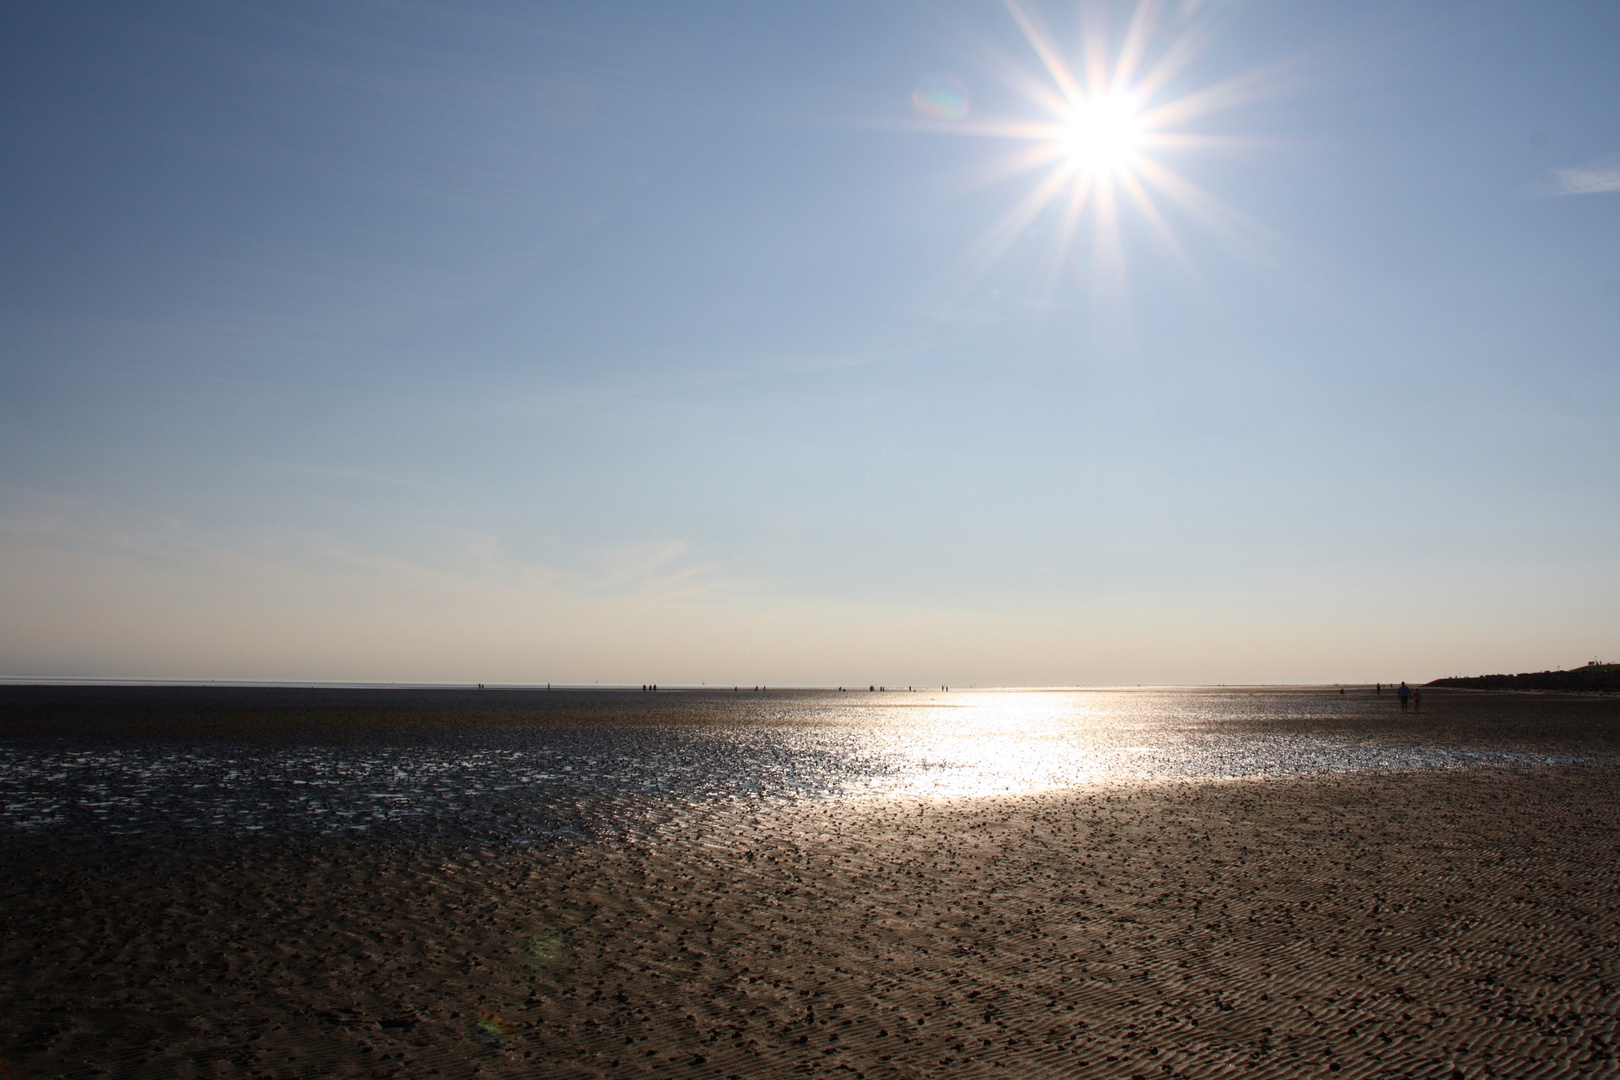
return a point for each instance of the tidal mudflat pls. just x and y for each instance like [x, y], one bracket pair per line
[1106, 883]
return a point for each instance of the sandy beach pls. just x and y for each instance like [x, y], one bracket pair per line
[1028, 539]
[1427, 924]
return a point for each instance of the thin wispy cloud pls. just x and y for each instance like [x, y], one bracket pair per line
[1601, 174]
[354, 474]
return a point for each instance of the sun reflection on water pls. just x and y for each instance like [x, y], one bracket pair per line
[539, 785]
[1003, 743]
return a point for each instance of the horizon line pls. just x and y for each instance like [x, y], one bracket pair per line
[317, 684]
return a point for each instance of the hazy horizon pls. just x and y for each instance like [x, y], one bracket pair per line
[1009, 345]
[896, 688]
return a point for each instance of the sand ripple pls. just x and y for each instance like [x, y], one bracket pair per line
[1358, 925]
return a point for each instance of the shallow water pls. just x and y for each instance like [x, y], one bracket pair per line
[527, 786]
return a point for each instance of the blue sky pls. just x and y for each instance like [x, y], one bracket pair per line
[648, 342]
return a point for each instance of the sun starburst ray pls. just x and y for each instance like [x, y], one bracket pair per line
[1049, 56]
[1223, 96]
[1007, 166]
[993, 129]
[1186, 140]
[1068, 225]
[1109, 245]
[1004, 233]
[1221, 221]
[1092, 50]
[1027, 84]
[1177, 57]
[1150, 210]
[1105, 119]
[1134, 47]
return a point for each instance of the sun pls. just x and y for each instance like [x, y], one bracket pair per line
[1100, 133]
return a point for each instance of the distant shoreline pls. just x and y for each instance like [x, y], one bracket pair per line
[1592, 679]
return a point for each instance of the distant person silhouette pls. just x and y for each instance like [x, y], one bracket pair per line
[1380, 690]
[1405, 695]
[1417, 701]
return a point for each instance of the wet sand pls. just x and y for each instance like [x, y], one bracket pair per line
[1434, 923]
[1584, 723]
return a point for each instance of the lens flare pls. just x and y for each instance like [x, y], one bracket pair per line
[941, 97]
[545, 948]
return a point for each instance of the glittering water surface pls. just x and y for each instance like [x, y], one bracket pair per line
[527, 786]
